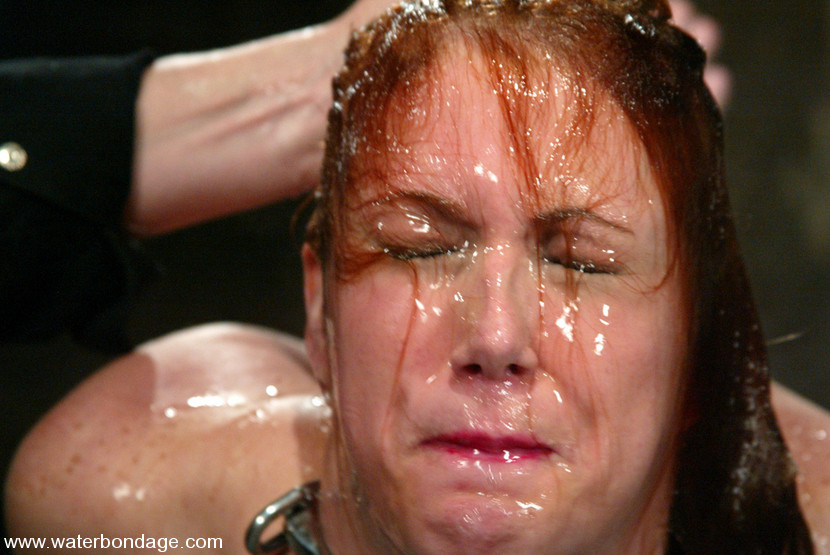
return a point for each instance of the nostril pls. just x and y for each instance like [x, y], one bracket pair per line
[474, 368]
[478, 369]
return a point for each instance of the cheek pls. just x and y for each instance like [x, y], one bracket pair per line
[393, 321]
[617, 364]
[370, 323]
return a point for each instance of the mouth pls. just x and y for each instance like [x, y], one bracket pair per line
[482, 446]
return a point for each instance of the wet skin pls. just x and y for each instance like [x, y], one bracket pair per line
[109, 459]
[506, 376]
[81, 470]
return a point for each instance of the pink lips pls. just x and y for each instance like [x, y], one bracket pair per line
[474, 445]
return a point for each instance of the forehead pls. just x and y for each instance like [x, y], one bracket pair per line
[545, 137]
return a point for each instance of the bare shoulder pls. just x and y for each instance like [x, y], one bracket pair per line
[188, 436]
[806, 429]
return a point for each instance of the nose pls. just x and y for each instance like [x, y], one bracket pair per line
[499, 309]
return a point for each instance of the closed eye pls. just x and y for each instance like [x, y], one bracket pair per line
[411, 253]
[580, 266]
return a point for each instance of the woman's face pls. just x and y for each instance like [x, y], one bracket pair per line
[506, 374]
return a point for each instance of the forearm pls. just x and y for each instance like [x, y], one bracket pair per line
[223, 131]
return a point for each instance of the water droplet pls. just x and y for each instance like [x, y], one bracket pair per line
[123, 491]
[527, 507]
[599, 344]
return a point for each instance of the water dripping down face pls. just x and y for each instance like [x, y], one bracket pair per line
[506, 371]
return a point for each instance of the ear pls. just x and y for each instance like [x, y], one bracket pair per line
[315, 327]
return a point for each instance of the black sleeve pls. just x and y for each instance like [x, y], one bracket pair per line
[66, 151]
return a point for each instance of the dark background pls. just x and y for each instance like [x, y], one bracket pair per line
[245, 268]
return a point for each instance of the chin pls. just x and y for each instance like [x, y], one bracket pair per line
[486, 521]
[469, 516]
[529, 512]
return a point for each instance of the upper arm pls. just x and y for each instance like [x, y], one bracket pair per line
[806, 430]
[147, 446]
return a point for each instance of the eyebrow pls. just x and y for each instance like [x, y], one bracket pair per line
[575, 212]
[441, 207]
[451, 211]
